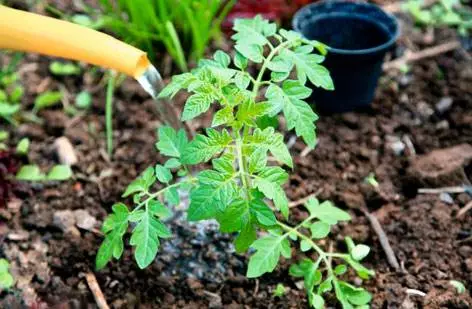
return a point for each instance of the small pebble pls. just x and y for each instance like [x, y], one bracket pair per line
[446, 198]
[444, 105]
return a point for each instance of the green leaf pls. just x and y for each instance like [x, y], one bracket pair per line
[274, 192]
[249, 111]
[235, 217]
[225, 164]
[362, 271]
[59, 172]
[359, 252]
[242, 80]
[319, 229]
[245, 239]
[196, 105]
[23, 146]
[145, 237]
[317, 301]
[16, 94]
[326, 212]
[6, 279]
[298, 114]
[160, 210]
[279, 290]
[178, 82]
[47, 99]
[163, 174]
[222, 58]
[268, 251]
[258, 160]
[171, 143]
[83, 100]
[262, 212]
[203, 148]
[223, 116]
[173, 163]
[30, 173]
[7, 110]
[240, 61]
[308, 66]
[251, 51]
[305, 245]
[270, 140]
[4, 135]
[340, 269]
[64, 68]
[114, 227]
[172, 196]
[215, 193]
[460, 287]
[142, 183]
[252, 31]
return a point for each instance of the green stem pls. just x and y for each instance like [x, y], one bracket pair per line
[109, 112]
[239, 150]
[267, 60]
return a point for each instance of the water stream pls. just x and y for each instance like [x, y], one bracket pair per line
[151, 81]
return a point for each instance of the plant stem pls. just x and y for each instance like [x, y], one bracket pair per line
[239, 151]
[267, 60]
[109, 112]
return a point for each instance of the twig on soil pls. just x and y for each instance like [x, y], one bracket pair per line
[422, 54]
[305, 152]
[457, 189]
[463, 210]
[305, 199]
[96, 291]
[415, 292]
[409, 145]
[256, 288]
[391, 258]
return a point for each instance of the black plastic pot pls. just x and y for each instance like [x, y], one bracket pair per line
[358, 35]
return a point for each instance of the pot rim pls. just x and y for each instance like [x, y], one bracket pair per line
[304, 13]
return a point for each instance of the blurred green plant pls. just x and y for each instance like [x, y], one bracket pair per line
[451, 13]
[11, 91]
[6, 279]
[184, 28]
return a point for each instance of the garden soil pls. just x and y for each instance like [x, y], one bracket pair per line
[50, 232]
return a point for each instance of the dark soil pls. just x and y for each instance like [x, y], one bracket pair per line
[198, 268]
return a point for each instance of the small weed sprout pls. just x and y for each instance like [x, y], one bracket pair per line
[237, 189]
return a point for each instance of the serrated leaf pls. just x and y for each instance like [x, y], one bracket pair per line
[274, 192]
[170, 142]
[222, 58]
[59, 172]
[257, 161]
[224, 164]
[195, 105]
[172, 196]
[268, 251]
[298, 113]
[30, 173]
[326, 212]
[270, 140]
[319, 229]
[251, 51]
[178, 82]
[140, 184]
[211, 197]
[203, 148]
[114, 227]
[246, 238]
[262, 212]
[242, 80]
[145, 236]
[307, 66]
[240, 61]
[163, 174]
[235, 217]
[173, 163]
[249, 111]
[223, 116]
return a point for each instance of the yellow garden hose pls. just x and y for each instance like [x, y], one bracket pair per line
[23, 31]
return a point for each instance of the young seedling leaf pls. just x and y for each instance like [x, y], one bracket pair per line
[30, 173]
[359, 252]
[171, 143]
[23, 146]
[47, 99]
[59, 173]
